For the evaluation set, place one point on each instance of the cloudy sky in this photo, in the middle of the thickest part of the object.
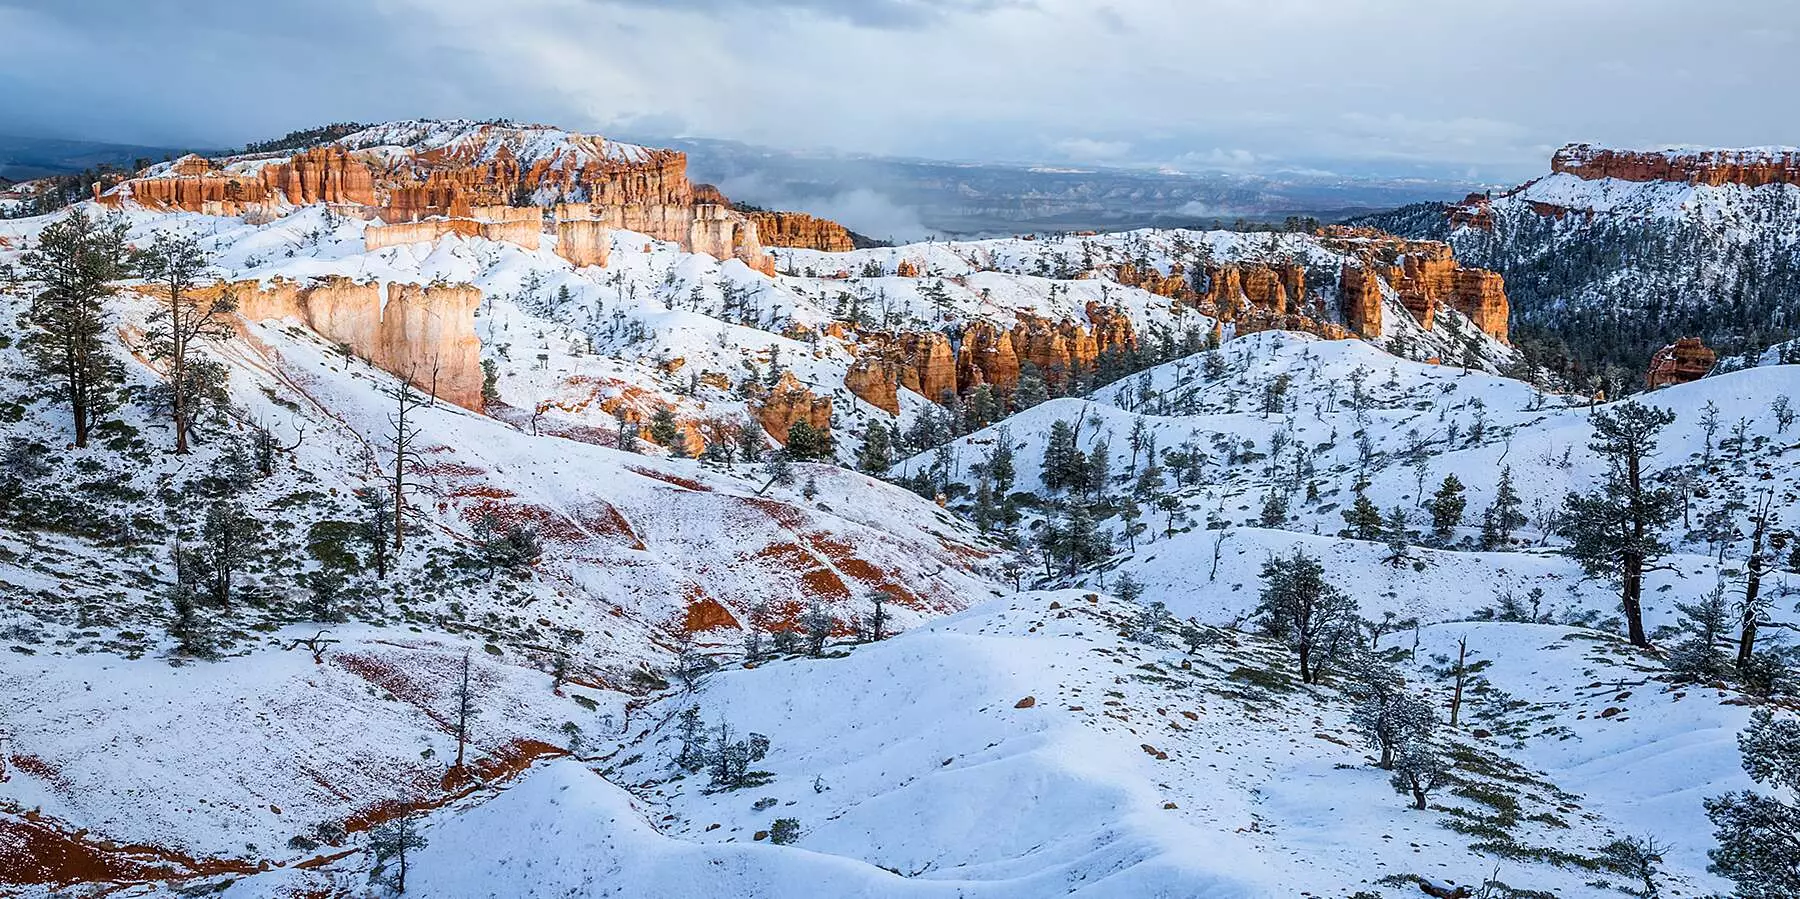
(1486, 89)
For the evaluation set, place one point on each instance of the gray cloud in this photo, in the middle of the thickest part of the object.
(869, 13)
(1400, 86)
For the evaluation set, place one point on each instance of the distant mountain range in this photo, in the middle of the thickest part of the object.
(905, 199)
(24, 158)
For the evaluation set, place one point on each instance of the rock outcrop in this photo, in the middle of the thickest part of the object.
(1359, 292)
(423, 333)
(194, 184)
(1685, 360)
(985, 355)
(790, 401)
(1751, 167)
(932, 365)
(495, 175)
(1424, 275)
(802, 231)
(584, 242)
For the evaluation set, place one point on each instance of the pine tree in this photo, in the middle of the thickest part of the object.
(876, 455)
(375, 525)
(665, 430)
(230, 539)
(1300, 608)
(806, 443)
(1362, 520)
(1759, 833)
(1031, 389)
(391, 844)
(817, 625)
(1064, 464)
(1616, 530)
(1394, 528)
(1706, 625)
(75, 265)
(1446, 507)
(176, 264)
(1502, 517)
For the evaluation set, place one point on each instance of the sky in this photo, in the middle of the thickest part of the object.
(1481, 90)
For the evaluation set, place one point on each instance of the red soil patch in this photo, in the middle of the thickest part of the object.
(507, 761)
(483, 491)
(601, 517)
(843, 557)
(387, 675)
(817, 580)
(451, 470)
(705, 614)
(665, 477)
(35, 851)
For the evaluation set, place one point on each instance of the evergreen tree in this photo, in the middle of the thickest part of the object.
(876, 455)
(1759, 833)
(806, 443)
(1616, 531)
(666, 431)
(391, 845)
(1706, 625)
(1446, 507)
(1031, 389)
(1502, 518)
(1300, 608)
(229, 541)
(176, 264)
(1064, 465)
(1362, 520)
(1397, 538)
(75, 265)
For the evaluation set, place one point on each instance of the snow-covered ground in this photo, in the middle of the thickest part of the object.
(1004, 744)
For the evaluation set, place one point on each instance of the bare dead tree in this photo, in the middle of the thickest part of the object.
(402, 434)
(1753, 604)
(465, 709)
(316, 644)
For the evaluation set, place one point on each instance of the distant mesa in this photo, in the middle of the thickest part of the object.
(1685, 360)
(1746, 167)
(420, 180)
(1753, 167)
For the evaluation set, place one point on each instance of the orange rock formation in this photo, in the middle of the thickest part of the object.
(802, 231)
(1684, 360)
(788, 402)
(425, 334)
(1752, 168)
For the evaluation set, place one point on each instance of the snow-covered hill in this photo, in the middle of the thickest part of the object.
(999, 742)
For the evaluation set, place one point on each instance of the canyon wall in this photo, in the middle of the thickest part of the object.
(802, 231)
(583, 242)
(932, 365)
(1752, 167)
(1424, 275)
(790, 401)
(423, 333)
(476, 177)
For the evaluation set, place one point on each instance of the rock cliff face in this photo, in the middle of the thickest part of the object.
(193, 184)
(1424, 275)
(1751, 168)
(494, 175)
(802, 231)
(931, 365)
(1684, 360)
(425, 334)
(788, 402)
(583, 242)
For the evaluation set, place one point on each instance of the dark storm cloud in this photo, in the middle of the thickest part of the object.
(1486, 90)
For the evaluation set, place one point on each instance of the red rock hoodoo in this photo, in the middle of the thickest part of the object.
(802, 231)
(788, 402)
(423, 333)
(1684, 360)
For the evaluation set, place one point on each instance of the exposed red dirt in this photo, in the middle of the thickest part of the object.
(665, 477)
(36, 851)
